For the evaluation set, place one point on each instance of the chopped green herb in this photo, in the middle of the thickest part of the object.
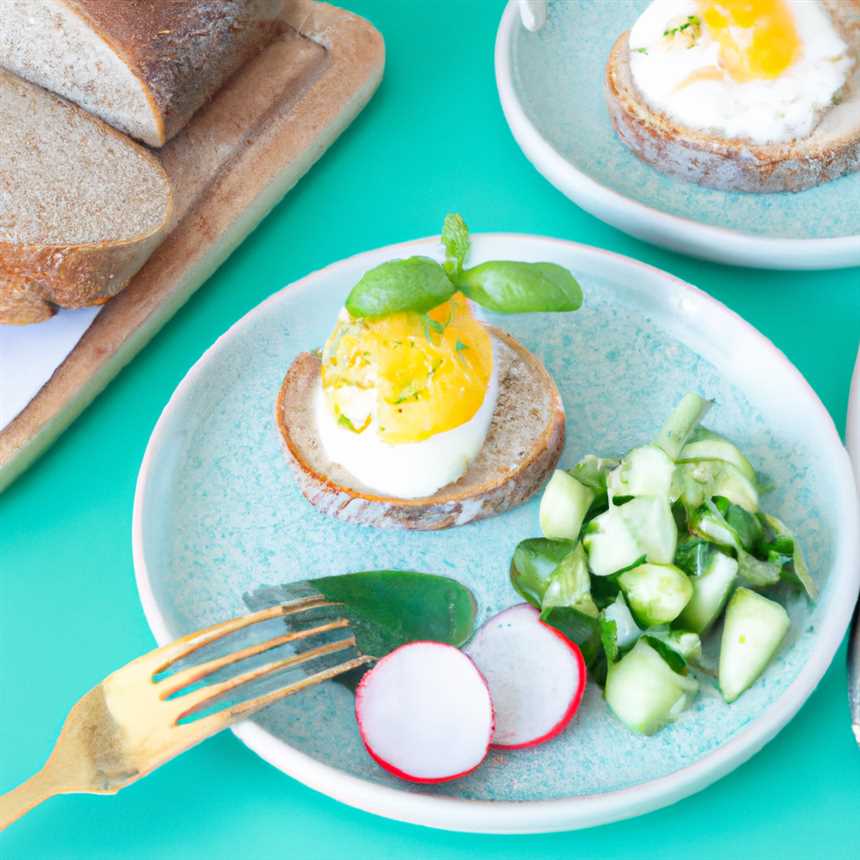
(460, 346)
(640, 50)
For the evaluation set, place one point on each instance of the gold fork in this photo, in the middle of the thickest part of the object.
(130, 723)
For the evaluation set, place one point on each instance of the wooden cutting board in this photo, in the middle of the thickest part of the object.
(236, 159)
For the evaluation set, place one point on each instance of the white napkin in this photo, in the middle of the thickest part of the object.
(29, 354)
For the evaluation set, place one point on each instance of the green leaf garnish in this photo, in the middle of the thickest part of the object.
(385, 608)
(460, 346)
(513, 287)
(414, 284)
(420, 284)
(455, 238)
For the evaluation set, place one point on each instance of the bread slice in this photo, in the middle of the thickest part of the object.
(522, 448)
(81, 205)
(144, 67)
(832, 150)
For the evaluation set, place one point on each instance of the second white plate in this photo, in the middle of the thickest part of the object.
(551, 85)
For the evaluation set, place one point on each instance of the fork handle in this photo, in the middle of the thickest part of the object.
(19, 801)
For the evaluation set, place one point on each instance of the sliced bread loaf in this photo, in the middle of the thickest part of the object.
(144, 66)
(522, 448)
(832, 150)
(81, 205)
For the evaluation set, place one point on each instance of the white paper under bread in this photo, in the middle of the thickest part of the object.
(29, 354)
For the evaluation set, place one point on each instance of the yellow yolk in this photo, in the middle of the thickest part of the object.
(758, 38)
(415, 374)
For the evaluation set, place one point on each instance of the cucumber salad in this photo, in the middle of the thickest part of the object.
(642, 556)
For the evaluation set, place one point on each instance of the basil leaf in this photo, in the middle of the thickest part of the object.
(455, 238)
(511, 287)
(414, 284)
(385, 608)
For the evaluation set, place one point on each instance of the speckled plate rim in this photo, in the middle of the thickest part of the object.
(655, 226)
(676, 296)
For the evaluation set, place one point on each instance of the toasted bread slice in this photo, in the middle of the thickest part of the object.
(831, 151)
(522, 447)
(81, 206)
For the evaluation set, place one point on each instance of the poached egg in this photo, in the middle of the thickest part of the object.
(405, 401)
(757, 70)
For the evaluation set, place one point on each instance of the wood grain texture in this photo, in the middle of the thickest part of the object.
(235, 160)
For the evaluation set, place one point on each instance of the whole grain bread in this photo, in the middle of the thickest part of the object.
(522, 448)
(144, 66)
(833, 149)
(81, 205)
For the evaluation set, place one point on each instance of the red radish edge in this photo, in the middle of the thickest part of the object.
(572, 707)
(386, 765)
(564, 722)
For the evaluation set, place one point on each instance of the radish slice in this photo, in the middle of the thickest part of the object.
(535, 673)
(424, 713)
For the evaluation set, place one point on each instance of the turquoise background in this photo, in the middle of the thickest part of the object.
(433, 139)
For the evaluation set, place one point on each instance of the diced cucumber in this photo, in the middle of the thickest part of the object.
(799, 570)
(710, 592)
(619, 629)
(656, 593)
(652, 524)
(686, 642)
(609, 543)
(592, 471)
(707, 445)
(644, 693)
(681, 423)
(570, 585)
(753, 631)
(697, 482)
(563, 507)
(707, 522)
(645, 471)
(619, 537)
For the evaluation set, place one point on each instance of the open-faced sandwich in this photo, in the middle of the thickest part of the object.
(741, 95)
(415, 413)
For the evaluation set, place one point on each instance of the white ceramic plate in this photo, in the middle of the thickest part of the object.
(217, 515)
(551, 85)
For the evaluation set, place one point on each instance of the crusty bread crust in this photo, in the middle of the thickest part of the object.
(181, 50)
(36, 279)
(833, 149)
(522, 448)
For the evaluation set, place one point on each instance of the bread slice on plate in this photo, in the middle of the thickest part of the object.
(143, 67)
(831, 151)
(522, 448)
(81, 205)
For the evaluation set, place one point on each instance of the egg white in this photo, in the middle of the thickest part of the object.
(408, 470)
(777, 110)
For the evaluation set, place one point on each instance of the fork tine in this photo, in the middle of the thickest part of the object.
(167, 655)
(184, 678)
(198, 699)
(209, 725)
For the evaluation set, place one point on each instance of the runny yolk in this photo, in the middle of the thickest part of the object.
(417, 374)
(758, 38)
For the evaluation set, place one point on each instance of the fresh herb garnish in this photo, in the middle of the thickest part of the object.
(420, 284)
(692, 28)
(460, 346)
(641, 50)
